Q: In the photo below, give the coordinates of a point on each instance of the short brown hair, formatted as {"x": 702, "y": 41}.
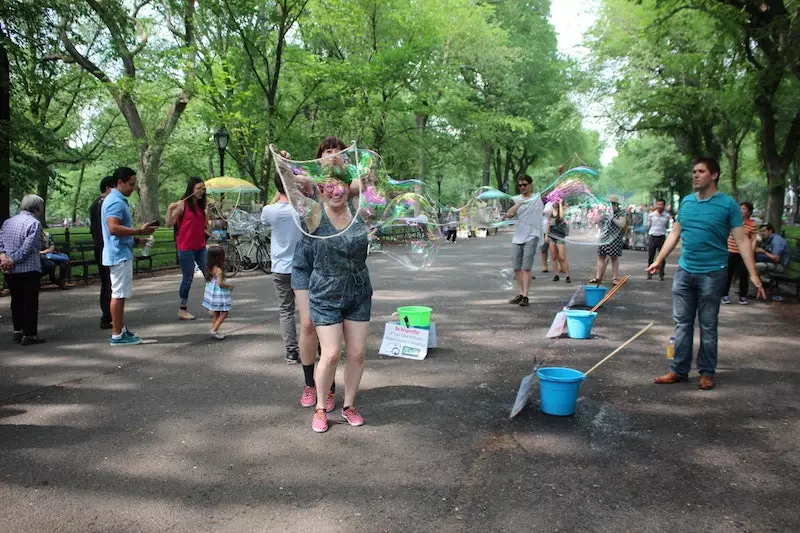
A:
{"x": 711, "y": 164}
{"x": 328, "y": 143}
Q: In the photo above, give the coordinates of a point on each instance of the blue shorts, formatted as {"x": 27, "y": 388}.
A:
{"x": 334, "y": 299}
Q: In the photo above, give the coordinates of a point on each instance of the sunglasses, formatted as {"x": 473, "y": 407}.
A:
{"x": 523, "y": 184}
{"x": 332, "y": 189}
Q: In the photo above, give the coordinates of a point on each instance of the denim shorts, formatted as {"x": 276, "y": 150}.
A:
{"x": 334, "y": 299}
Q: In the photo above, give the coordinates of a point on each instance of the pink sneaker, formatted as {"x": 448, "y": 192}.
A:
{"x": 352, "y": 417}
{"x": 330, "y": 402}
{"x": 309, "y": 397}
{"x": 320, "y": 421}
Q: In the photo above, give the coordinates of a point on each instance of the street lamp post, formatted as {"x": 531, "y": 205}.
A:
{"x": 221, "y": 140}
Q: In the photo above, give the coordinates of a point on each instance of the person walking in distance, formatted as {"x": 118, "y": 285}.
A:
{"x": 704, "y": 221}
{"x": 189, "y": 216}
{"x": 96, "y": 229}
{"x": 736, "y": 266}
{"x": 657, "y": 234}
{"x": 527, "y": 233}
{"x": 118, "y": 240}
{"x": 217, "y": 296}
{"x": 285, "y": 235}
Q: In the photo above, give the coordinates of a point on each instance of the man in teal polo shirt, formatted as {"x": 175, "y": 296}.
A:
{"x": 118, "y": 240}
{"x": 704, "y": 221}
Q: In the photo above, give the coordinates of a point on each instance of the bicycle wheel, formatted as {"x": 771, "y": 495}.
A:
{"x": 248, "y": 260}
{"x": 264, "y": 260}
{"x": 232, "y": 261}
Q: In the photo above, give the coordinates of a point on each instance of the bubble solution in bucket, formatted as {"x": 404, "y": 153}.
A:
{"x": 418, "y": 316}
{"x": 558, "y": 390}
{"x": 592, "y": 295}
{"x": 579, "y": 323}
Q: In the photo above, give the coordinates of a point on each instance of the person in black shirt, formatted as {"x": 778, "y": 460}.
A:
{"x": 95, "y": 226}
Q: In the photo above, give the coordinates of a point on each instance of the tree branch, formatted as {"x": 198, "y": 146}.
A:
{"x": 84, "y": 61}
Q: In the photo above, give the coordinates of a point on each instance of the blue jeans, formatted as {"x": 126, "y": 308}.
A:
{"x": 697, "y": 295}
{"x": 187, "y": 259}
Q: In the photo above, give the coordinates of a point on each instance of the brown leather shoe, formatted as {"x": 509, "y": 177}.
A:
{"x": 670, "y": 378}
{"x": 707, "y": 383}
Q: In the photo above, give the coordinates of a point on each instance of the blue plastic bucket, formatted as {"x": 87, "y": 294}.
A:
{"x": 592, "y": 295}
{"x": 558, "y": 390}
{"x": 579, "y": 323}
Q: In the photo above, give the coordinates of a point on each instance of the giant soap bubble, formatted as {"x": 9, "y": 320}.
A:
{"x": 401, "y": 220}
{"x": 316, "y": 186}
{"x": 486, "y": 208}
{"x": 408, "y": 232}
{"x": 578, "y": 215}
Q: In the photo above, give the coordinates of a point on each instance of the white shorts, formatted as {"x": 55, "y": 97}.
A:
{"x": 122, "y": 280}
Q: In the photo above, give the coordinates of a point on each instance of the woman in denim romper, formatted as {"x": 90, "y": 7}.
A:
{"x": 340, "y": 297}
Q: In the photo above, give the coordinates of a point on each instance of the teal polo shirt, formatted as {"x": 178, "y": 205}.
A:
{"x": 116, "y": 249}
{"x": 705, "y": 225}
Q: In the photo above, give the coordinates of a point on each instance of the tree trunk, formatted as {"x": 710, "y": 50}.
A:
{"x": 506, "y": 172}
{"x": 5, "y": 134}
{"x": 487, "y": 163}
{"x": 78, "y": 194}
{"x": 421, "y": 122}
{"x": 733, "y": 162}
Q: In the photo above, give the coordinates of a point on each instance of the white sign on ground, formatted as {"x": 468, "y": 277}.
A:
{"x": 409, "y": 343}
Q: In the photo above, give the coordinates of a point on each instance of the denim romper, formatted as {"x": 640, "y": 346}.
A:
{"x": 302, "y": 262}
{"x": 339, "y": 287}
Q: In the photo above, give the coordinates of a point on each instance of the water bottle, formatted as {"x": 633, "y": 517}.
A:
{"x": 671, "y": 348}
{"x": 147, "y": 246}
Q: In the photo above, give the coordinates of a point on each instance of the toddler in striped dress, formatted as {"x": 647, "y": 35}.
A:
{"x": 217, "y": 297}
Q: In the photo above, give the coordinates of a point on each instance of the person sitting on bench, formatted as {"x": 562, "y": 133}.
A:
{"x": 773, "y": 254}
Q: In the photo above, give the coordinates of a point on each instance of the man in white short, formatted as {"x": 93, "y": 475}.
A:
{"x": 118, "y": 241}
{"x": 528, "y": 211}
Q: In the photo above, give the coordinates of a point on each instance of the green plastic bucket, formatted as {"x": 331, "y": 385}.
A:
{"x": 415, "y": 316}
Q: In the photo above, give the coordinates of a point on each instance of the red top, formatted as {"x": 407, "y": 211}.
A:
{"x": 191, "y": 229}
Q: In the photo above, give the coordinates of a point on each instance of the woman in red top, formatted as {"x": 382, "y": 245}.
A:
{"x": 735, "y": 262}
{"x": 190, "y": 218}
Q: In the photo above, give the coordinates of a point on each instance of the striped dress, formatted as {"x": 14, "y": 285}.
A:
{"x": 750, "y": 230}
{"x": 216, "y": 298}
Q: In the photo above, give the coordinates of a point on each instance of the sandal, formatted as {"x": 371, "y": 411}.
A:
{"x": 594, "y": 280}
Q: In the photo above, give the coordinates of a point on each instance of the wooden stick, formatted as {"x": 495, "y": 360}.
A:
{"x": 611, "y": 292}
{"x": 626, "y": 343}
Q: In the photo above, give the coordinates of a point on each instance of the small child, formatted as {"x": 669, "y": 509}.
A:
{"x": 217, "y": 297}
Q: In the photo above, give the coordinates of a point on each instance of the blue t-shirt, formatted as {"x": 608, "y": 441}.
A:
{"x": 705, "y": 225}
{"x": 116, "y": 249}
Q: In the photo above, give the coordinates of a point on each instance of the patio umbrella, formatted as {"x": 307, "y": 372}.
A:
{"x": 226, "y": 184}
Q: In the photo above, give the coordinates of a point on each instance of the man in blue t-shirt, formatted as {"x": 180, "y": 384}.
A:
{"x": 773, "y": 254}
{"x": 704, "y": 221}
{"x": 118, "y": 240}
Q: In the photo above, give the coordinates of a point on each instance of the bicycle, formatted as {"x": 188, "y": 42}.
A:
{"x": 248, "y": 252}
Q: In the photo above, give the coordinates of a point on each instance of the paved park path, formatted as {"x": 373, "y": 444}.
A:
{"x": 193, "y": 435}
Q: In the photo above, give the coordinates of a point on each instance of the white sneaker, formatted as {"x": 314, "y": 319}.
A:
{"x": 216, "y": 335}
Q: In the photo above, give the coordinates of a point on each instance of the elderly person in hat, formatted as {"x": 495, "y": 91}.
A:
{"x": 611, "y": 238}
{"x": 20, "y": 241}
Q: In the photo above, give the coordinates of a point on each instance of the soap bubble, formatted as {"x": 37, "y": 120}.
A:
{"x": 408, "y": 231}
{"x": 579, "y": 213}
{"x": 506, "y": 279}
{"x": 348, "y": 177}
{"x": 486, "y": 208}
